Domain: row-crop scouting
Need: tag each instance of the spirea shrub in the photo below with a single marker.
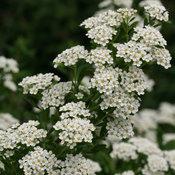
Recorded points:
(98, 102)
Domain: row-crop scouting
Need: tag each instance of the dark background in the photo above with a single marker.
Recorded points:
(35, 31)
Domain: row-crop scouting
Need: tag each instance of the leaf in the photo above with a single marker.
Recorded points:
(134, 24)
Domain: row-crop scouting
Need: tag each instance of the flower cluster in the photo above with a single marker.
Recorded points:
(8, 67)
(120, 3)
(120, 128)
(154, 160)
(125, 151)
(7, 120)
(74, 131)
(105, 80)
(40, 161)
(102, 27)
(100, 56)
(70, 56)
(73, 128)
(134, 80)
(146, 122)
(27, 134)
(55, 94)
(157, 12)
(37, 82)
(74, 110)
(129, 172)
(149, 2)
(169, 156)
(79, 165)
(157, 163)
(144, 47)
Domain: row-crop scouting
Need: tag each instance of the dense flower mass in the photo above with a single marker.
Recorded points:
(111, 3)
(157, 163)
(7, 120)
(105, 80)
(154, 161)
(97, 102)
(37, 82)
(124, 151)
(74, 131)
(74, 110)
(39, 161)
(101, 28)
(27, 134)
(100, 56)
(54, 95)
(120, 128)
(79, 165)
(8, 67)
(144, 47)
(70, 56)
(157, 11)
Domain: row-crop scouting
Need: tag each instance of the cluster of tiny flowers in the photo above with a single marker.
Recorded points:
(74, 110)
(37, 82)
(120, 128)
(148, 36)
(100, 56)
(39, 162)
(149, 2)
(7, 120)
(55, 94)
(134, 80)
(101, 34)
(125, 151)
(124, 103)
(70, 56)
(105, 80)
(8, 65)
(74, 131)
(145, 146)
(143, 47)
(157, 163)
(157, 12)
(101, 26)
(170, 157)
(79, 165)
(146, 122)
(120, 3)
(73, 128)
(129, 172)
(26, 134)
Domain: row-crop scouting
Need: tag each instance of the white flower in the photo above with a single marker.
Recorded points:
(157, 12)
(74, 131)
(40, 161)
(170, 157)
(55, 94)
(79, 165)
(124, 151)
(70, 56)
(157, 163)
(37, 82)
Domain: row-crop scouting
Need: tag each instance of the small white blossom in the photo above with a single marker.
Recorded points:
(70, 56)
(37, 82)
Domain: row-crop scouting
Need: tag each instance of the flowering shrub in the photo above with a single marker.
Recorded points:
(70, 140)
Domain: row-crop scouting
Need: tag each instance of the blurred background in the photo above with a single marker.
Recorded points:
(34, 32)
